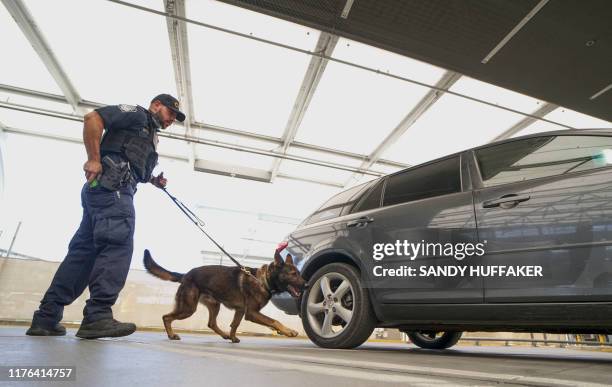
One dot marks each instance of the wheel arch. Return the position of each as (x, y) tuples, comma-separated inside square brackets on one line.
[(326, 257)]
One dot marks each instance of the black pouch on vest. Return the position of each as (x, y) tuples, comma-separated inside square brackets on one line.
[(113, 174), (137, 152)]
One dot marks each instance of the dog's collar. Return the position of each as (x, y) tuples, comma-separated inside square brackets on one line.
[(265, 281)]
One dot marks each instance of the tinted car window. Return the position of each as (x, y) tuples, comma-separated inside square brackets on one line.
[(434, 179), (335, 206), (370, 199), (537, 157)]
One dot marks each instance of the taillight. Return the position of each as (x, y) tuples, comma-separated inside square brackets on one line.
[(282, 246)]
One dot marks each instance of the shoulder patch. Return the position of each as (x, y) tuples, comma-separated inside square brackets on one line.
[(127, 108)]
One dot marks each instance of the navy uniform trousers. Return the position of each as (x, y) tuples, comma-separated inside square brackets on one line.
[(99, 256)]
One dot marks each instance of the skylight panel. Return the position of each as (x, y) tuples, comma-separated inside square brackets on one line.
[(452, 124), (124, 56), (313, 172), (242, 84), (252, 23), (35, 102), (41, 124), (237, 158), (20, 65), (386, 61), (496, 95), (354, 110), (567, 117)]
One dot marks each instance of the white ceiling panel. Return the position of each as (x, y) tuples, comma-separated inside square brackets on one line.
[(450, 125), (309, 171), (41, 124), (173, 147), (577, 120), (354, 110), (251, 23), (240, 83), (387, 62), (228, 156), (20, 65), (35, 102), (234, 140), (496, 95), (112, 53), (324, 156), (567, 117)]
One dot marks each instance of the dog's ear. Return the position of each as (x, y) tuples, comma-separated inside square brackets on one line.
[(278, 260), (289, 259)]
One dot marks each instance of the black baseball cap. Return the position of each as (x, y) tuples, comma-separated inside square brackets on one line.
[(171, 103)]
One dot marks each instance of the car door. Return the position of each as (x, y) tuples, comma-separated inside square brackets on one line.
[(426, 204), (547, 201)]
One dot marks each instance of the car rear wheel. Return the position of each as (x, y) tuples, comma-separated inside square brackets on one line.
[(335, 309), (434, 340)]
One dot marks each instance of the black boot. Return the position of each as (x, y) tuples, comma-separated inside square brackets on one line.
[(105, 328), (39, 330)]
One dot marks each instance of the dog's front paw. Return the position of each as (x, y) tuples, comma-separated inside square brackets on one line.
[(235, 339), (174, 337), (291, 333)]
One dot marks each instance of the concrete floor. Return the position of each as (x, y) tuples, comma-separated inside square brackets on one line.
[(148, 358)]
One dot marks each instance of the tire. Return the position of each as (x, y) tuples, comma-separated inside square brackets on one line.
[(434, 340), (329, 329)]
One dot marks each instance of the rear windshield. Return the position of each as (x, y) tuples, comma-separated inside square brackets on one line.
[(337, 205)]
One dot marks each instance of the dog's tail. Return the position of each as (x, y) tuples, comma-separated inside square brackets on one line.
[(154, 269)]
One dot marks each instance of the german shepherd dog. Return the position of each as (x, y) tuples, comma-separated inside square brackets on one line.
[(246, 294)]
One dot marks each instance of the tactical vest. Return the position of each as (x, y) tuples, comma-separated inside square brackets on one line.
[(137, 146)]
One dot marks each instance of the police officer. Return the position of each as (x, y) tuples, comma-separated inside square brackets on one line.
[(100, 251)]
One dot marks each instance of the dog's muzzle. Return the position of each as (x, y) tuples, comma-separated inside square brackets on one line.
[(294, 291)]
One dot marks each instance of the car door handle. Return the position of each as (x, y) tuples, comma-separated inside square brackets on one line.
[(360, 222), (506, 201)]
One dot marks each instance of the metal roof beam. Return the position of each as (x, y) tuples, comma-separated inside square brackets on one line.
[(219, 168), (26, 23), (326, 44), (203, 126), (198, 140), (46, 96), (444, 83), (179, 47), (526, 121), (248, 173)]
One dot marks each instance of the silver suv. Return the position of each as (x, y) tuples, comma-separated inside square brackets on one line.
[(542, 200)]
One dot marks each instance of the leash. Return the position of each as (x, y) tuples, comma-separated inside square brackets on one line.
[(200, 225)]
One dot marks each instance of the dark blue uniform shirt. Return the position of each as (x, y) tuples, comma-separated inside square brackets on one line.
[(127, 117)]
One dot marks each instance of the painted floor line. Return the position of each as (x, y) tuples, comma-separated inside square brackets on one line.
[(328, 370), (419, 370), (378, 366)]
